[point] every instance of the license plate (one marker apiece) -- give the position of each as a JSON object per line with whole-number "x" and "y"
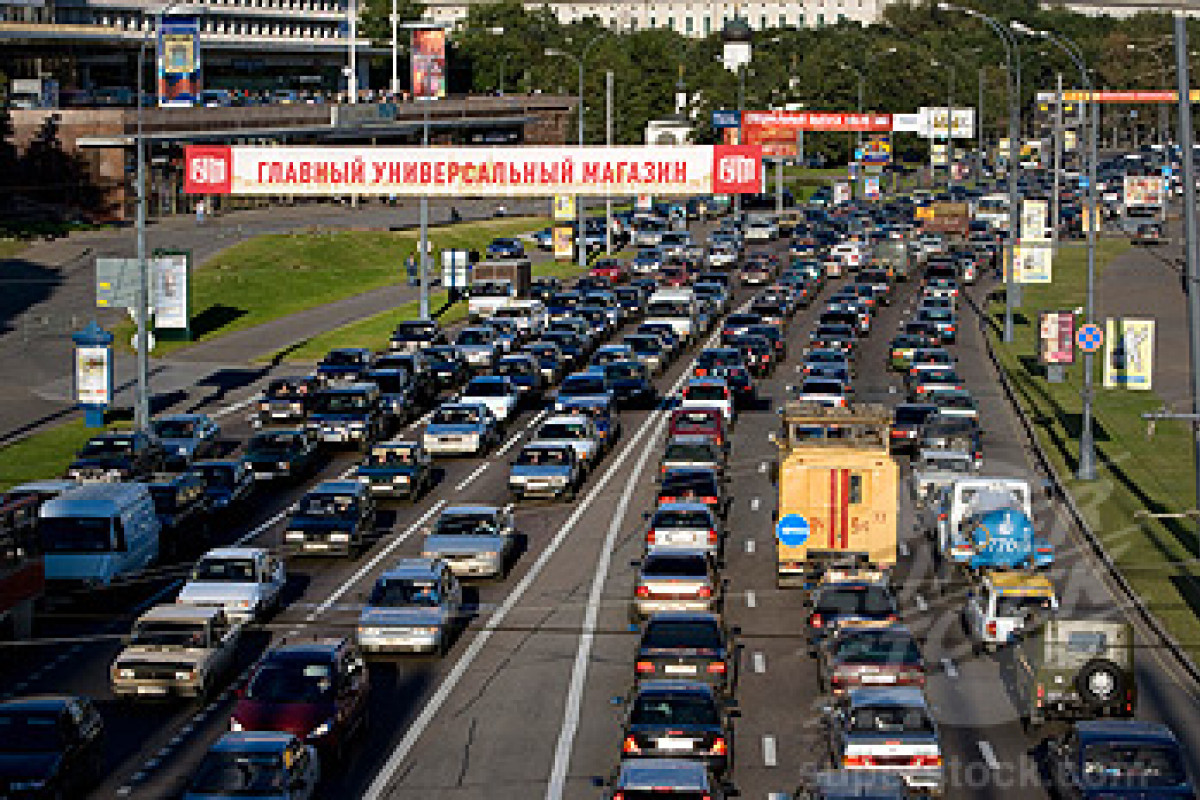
{"x": 264, "y": 475}
{"x": 316, "y": 545}
{"x": 151, "y": 690}
{"x": 280, "y": 414}
{"x": 680, "y": 669}
{"x": 877, "y": 678}
{"x": 675, "y": 744}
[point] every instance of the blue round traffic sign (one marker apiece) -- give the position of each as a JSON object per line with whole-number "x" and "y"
{"x": 1089, "y": 338}
{"x": 792, "y": 530}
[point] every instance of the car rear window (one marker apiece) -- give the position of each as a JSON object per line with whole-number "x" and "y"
{"x": 675, "y": 634}
{"x": 696, "y": 483}
{"x": 865, "y": 600}
{"x": 674, "y": 708}
{"x": 890, "y": 720}
{"x": 909, "y": 415}
{"x": 1143, "y": 765}
{"x": 875, "y": 648}
{"x": 678, "y": 520}
{"x": 706, "y": 393}
{"x": 664, "y": 565}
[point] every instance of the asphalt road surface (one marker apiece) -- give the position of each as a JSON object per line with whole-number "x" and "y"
{"x": 526, "y": 703}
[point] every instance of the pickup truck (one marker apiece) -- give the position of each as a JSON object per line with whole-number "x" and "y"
{"x": 246, "y": 582}
{"x": 177, "y": 650}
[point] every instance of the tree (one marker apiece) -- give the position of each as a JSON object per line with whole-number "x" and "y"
{"x": 375, "y": 19}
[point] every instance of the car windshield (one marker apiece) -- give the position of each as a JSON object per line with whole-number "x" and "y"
{"x": 583, "y": 384}
{"x": 466, "y": 525}
{"x": 339, "y": 506}
{"x": 890, "y": 720}
{"x": 291, "y": 681}
{"x": 403, "y": 593}
{"x": 675, "y": 634}
{"x": 543, "y": 457}
{"x": 689, "y": 452}
{"x": 455, "y": 416}
{"x": 30, "y": 733}
{"x": 672, "y": 309}
{"x": 389, "y": 382}
{"x": 624, "y": 371}
{"x": 854, "y": 600}
{"x": 226, "y": 570}
{"x": 706, "y": 393}
{"x": 240, "y": 774}
{"x": 474, "y": 337}
{"x": 669, "y": 519}
{"x": 415, "y": 330}
{"x": 515, "y": 368}
{"x": 642, "y": 344}
{"x": 674, "y": 565}
{"x": 285, "y": 390}
{"x": 1018, "y": 605}
{"x": 674, "y": 708}
{"x": 874, "y": 647}
{"x": 909, "y": 415}
{"x": 339, "y": 358}
{"x": 340, "y": 402}
{"x": 173, "y": 429}
{"x": 562, "y": 430}
{"x": 169, "y": 634}
{"x": 268, "y": 443}
{"x": 107, "y": 447}
{"x": 75, "y": 534}
{"x": 486, "y": 389}
{"x": 216, "y": 476}
{"x": 821, "y": 387}
{"x": 1145, "y": 765}
{"x": 391, "y": 456}
{"x": 688, "y": 483}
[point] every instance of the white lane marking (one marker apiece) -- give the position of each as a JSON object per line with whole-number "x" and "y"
{"x": 770, "y": 757}
{"x": 749, "y": 545}
{"x": 989, "y": 755}
{"x": 370, "y": 565}
{"x": 583, "y": 653}
{"x": 467, "y": 480}
{"x": 754, "y": 501}
{"x": 227, "y": 410}
{"x": 433, "y": 707}
{"x": 920, "y": 602}
{"x": 903, "y": 547}
{"x": 762, "y": 467}
{"x": 760, "y": 662}
{"x": 751, "y": 599}
{"x": 949, "y": 668}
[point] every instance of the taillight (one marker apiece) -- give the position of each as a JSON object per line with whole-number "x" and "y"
{"x": 704, "y": 591}
{"x": 651, "y": 538}
{"x": 644, "y": 667}
{"x": 856, "y": 761}
{"x": 926, "y": 761}
{"x": 719, "y": 748}
{"x": 642, "y": 591}
{"x": 708, "y": 500}
{"x": 712, "y": 536}
{"x": 942, "y": 517}
{"x": 630, "y": 745}
{"x": 815, "y": 621}
{"x": 716, "y": 668}
{"x": 991, "y": 629}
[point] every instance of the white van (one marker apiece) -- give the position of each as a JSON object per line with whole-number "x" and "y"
{"x": 675, "y": 307}
{"x": 98, "y": 532}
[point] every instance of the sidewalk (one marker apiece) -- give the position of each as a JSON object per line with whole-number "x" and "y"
{"x": 50, "y": 292}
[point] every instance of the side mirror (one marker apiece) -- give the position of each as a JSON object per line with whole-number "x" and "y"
{"x": 635, "y": 563}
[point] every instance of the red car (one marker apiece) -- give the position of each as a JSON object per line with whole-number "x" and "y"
{"x": 316, "y": 690}
{"x": 706, "y": 422}
{"x": 615, "y": 270}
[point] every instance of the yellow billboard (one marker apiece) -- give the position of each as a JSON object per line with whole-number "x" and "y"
{"x": 1129, "y": 354}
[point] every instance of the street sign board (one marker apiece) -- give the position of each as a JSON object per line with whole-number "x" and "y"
{"x": 1090, "y": 338}
{"x": 116, "y": 282}
{"x": 792, "y": 531}
{"x": 726, "y": 118}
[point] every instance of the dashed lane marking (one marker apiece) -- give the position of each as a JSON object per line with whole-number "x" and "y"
{"x": 770, "y": 756}
{"x": 989, "y": 755}
{"x": 950, "y": 670}
{"x": 751, "y": 599}
{"x": 760, "y": 662}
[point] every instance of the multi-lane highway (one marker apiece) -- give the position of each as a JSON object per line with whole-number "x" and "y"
{"x": 528, "y": 701}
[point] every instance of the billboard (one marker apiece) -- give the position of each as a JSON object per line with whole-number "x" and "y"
{"x": 1145, "y": 190}
{"x": 817, "y": 121}
{"x": 1056, "y": 337}
{"x": 877, "y": 149}
{"x": 564, "y": 207}
{"x": 473, "y": 171}
{"x": 428, "y": 63}
{"x": 93, "y": 375}
{"x": 170, "y": 274}
{"x": 938, "y": 155}
{"x": 1135, "y": 96}
{"x": 564, "y": 246}
{"x": 1129, "y": 354}
{"x": 1034, "y": 220}
{"x": 871, "y": 187}
{"x": 841, "y": 193}
{"x": 178, "y": 62}
{"x": 937, "y": 122}
{"x": 1032, "y": 263}
{"x": 725, "y": 118}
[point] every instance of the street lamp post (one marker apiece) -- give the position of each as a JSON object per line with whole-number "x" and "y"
{"x": 1086, "y": 469}
{"x": 395, "y": 20}
{"x": 352, "y": 71}
{"x": 1012, "y": 57}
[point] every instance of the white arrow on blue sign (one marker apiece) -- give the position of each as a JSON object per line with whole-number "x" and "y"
{"x": 792, "y": 530}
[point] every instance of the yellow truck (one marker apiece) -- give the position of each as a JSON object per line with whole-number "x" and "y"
{"x": 839, "y": 491}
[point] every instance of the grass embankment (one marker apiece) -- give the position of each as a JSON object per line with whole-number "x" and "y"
{"x": 1137, "y": 473}
{"x": 269, "y": 277}
{"x": 11, "y": 247}
{"x": 375, "y": 331}
{"x": 43, "y": 455}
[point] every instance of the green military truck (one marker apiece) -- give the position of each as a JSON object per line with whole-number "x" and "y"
{"x": 1071, "y": 669}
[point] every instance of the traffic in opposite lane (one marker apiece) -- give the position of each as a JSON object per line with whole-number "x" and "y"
{"x": 694, "y": 525}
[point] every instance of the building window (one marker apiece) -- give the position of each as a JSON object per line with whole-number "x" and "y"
{"x": 762, "y": 22}
{"x": 653, "y": 22}
{"x": 690, "y": 25}
{"x": 707, "y": 25}
{"x": 799, "y": 20}
{"x": 841, "y": 17}
{"x": 783, "y": 20}
{"x": 820, "y": 20}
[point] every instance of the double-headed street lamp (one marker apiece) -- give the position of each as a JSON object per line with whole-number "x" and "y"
{"x": 1012, "y": 57}
{"x": 862, "y": 75}
{"x": 580, "y": 60}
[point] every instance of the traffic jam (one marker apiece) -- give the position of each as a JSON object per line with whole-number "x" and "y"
{"x": 283, "y": 577}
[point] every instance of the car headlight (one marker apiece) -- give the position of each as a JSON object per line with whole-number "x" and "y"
{"x": 183, "y": 451}
{"x": 294, "y": 535}
{"x": 425, "y": 631}
{"x": 358, "y": 426}
{"x": 368, "y": 631}
{"x": 234, "y": 725}
{"x": 321, "y": 730}
{"x": 125, "y": 673}
{"x": 282, "y": 465}
{"x": 399, "y": 479}
{"x": 339, "y": 537}
{"x": 241, "y": 604}
{"x": 429, "y": 554}
{"x": 31, "y": 785}
{"x": 185, "y": 674}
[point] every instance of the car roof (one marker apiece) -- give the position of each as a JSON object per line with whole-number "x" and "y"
{"x": 1019, "y": 580}
{"x": 37, "y": 702}
{"x": 322, "y": 646}
{"x": 338, "y": 487}
{"x": 470, "y": 509}
{"x": 694, "y": 382}
{"x": 684, "y": 616}
{"x": 691, "y": 439}
{"x": 844, "y": 783}
{"x": 180, "y": 612}
{"x": 674, "y": 686}
{"x": 252, "y": 742}
{"x": 421, "y": 568}
{"x": 908, "y": 696}
{"x": 683, "y": 507}
{"x": 1127, "y": 729}
{"x": 234, "y": 552}
{"x": 573, "y": 419}
{"x": 655, "y": 774}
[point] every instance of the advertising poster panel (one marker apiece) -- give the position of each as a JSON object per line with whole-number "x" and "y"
{"x": 428, "y": 63}
{"x": 1145, "y": 190}
{"x": 1129, "y": 354}
{"x": 564, "y": 207}
{"x": 93, "y": 385}
{"x": 1056, "y": 334}
{"x": 170, "y": 275}
{"x": 1034, "y": 220}
{"x": 178, "y": 62}
{"x": 563, "y": 246}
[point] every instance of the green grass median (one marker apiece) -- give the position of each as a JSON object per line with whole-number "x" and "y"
{"x": 272, "y": 276}
{"x": 42, "y": 455}
{"x": 1138, "y": 473}
{"x": 375, "y": 331}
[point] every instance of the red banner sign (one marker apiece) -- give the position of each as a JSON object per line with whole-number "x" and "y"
{"x": 474, "y": 171}
{"x": 1132, "y": 97}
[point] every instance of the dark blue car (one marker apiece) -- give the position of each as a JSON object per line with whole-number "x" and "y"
{"x": 503, "y": 247}
{"x": 1118, "y": 758}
